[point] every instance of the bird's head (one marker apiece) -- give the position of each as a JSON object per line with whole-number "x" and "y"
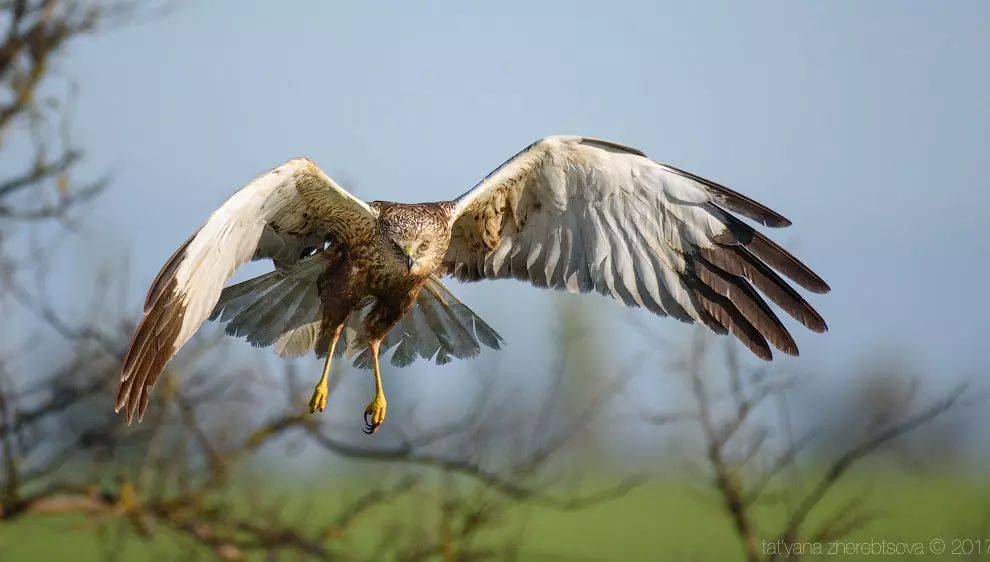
{"x": 414, "y": 254}
{"x": 416, "y": 245}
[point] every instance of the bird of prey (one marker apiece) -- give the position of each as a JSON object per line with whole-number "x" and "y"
{"x": 570, "y": 213}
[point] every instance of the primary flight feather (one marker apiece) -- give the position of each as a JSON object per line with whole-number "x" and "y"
{"x": 570, "y": 213}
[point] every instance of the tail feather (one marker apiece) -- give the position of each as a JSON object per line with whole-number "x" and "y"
{"x": 265, "y": 308}
{"x": 236, "y": 298}
{"x": 485, "y": 333}
{"x": 298, "y": 341}
{"x": 282, "y": 309}
{"x": 439, "y": 328}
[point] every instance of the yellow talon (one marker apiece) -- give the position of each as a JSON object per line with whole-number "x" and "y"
{"x": 319, "y": 399}
{"x": 374, "y": 414}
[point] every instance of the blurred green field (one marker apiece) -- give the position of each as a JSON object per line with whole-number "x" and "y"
{"x": 658, "y": 521}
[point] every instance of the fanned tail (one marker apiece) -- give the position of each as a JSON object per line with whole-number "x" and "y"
{"x": 439, "y": 328}
{"x": 282, "y": 309}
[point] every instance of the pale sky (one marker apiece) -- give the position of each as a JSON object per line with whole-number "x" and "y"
{"x": 865, "y": 123}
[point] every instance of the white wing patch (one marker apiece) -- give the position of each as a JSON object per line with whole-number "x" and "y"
{"x": 582, "y": 215}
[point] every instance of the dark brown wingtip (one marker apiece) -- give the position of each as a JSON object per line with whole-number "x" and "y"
{"x": 602, "y": 143}
{"x": 735, "y": 201}
{"x": 784, "y": 223}
{"x": 152, "y": 346}
{"x": 771, "y": 253}
{"x": 123, "y": 398}
{"x": 784, "y": 262}
{"x": 823, "y": 287}
{"x": 739, "y": 261}
{"x": 721, "y": 311}
{"x": 747, "y": 301}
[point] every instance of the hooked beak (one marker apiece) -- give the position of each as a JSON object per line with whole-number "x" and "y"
{"x": 409, "y": 261}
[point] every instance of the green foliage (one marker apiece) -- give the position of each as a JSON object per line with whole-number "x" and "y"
{"x": 670, "y": 520}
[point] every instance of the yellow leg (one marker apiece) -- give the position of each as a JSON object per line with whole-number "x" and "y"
{"x": 319, "y": 399}
{"x": 374, "y": 414}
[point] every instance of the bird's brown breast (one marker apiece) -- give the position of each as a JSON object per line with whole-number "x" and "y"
{"x": 362, "y": 270}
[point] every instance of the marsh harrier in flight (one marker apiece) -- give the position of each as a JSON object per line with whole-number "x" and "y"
{"x": 570, "y": 213}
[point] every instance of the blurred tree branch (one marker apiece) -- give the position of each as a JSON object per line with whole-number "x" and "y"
{"x": 177, "y": 469}
{"x": 37, "y": 34}
{"x": 747, "y": 456}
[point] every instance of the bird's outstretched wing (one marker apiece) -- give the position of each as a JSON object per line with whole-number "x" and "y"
{"x": 583, "y": 214}
{"x": 278, "y": 215}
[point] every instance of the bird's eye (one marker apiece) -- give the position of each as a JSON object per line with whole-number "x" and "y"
{"x": 424, "y": 246}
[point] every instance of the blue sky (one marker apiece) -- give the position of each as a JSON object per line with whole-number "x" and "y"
{"x": 865, "y": 123}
